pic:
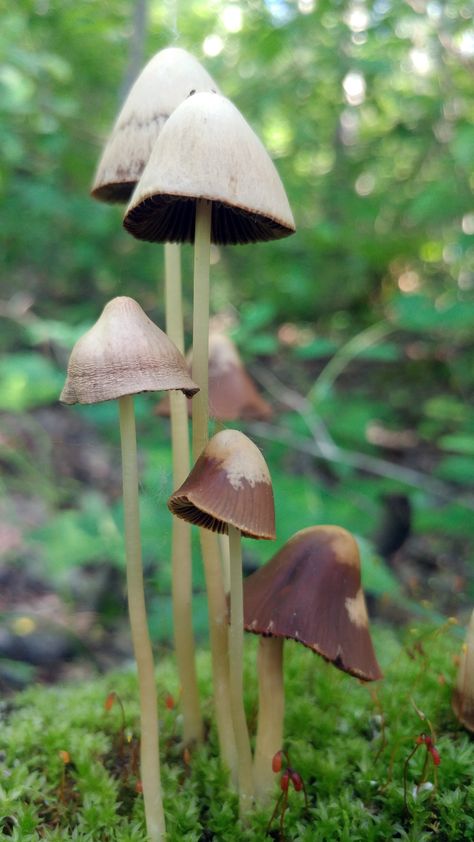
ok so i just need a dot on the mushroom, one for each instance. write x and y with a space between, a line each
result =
164 82
208 177
463 696
233 395
310 592
123 354
229 490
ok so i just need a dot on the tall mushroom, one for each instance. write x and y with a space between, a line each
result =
208 178
229 490
163 84
310 592
123 354
233 396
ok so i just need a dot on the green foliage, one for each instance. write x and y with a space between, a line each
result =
378 174
347 740
28 380
86 534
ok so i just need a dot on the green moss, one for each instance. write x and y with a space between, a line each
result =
348 740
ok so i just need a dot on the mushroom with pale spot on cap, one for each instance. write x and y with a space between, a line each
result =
124 354
208 178
165 81
310 591
229 490
463 696
232 397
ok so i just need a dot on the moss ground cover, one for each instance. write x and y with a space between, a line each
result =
69 770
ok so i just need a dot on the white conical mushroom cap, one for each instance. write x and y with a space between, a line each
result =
207 150
163 84
124 353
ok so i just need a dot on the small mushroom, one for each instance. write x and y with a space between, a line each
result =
463 696
229 490
233 395
310 592
123 354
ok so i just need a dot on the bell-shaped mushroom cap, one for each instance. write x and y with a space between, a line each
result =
310 591
229 484
207 150
163 84
232 394
463 696
124 353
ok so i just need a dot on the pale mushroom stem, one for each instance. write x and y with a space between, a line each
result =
217 609
222 538
149 743
200 373
236 646
225 559
271 710
181 556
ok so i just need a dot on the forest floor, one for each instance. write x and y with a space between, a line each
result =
71 622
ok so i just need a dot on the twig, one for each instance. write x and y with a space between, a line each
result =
331 452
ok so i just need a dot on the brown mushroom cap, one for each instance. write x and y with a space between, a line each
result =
310 591
207 150
463 696
232 393
124 353
229 484
164 82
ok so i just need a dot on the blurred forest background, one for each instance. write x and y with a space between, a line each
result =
358 328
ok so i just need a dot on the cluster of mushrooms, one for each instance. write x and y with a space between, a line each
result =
192 170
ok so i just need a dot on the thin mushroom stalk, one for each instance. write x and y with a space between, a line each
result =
181 555
463 696
236 646
162 85
149 743
213 575
271 711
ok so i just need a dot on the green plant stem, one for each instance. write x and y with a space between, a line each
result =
181 555
271 709
236 646
149 741
217 608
